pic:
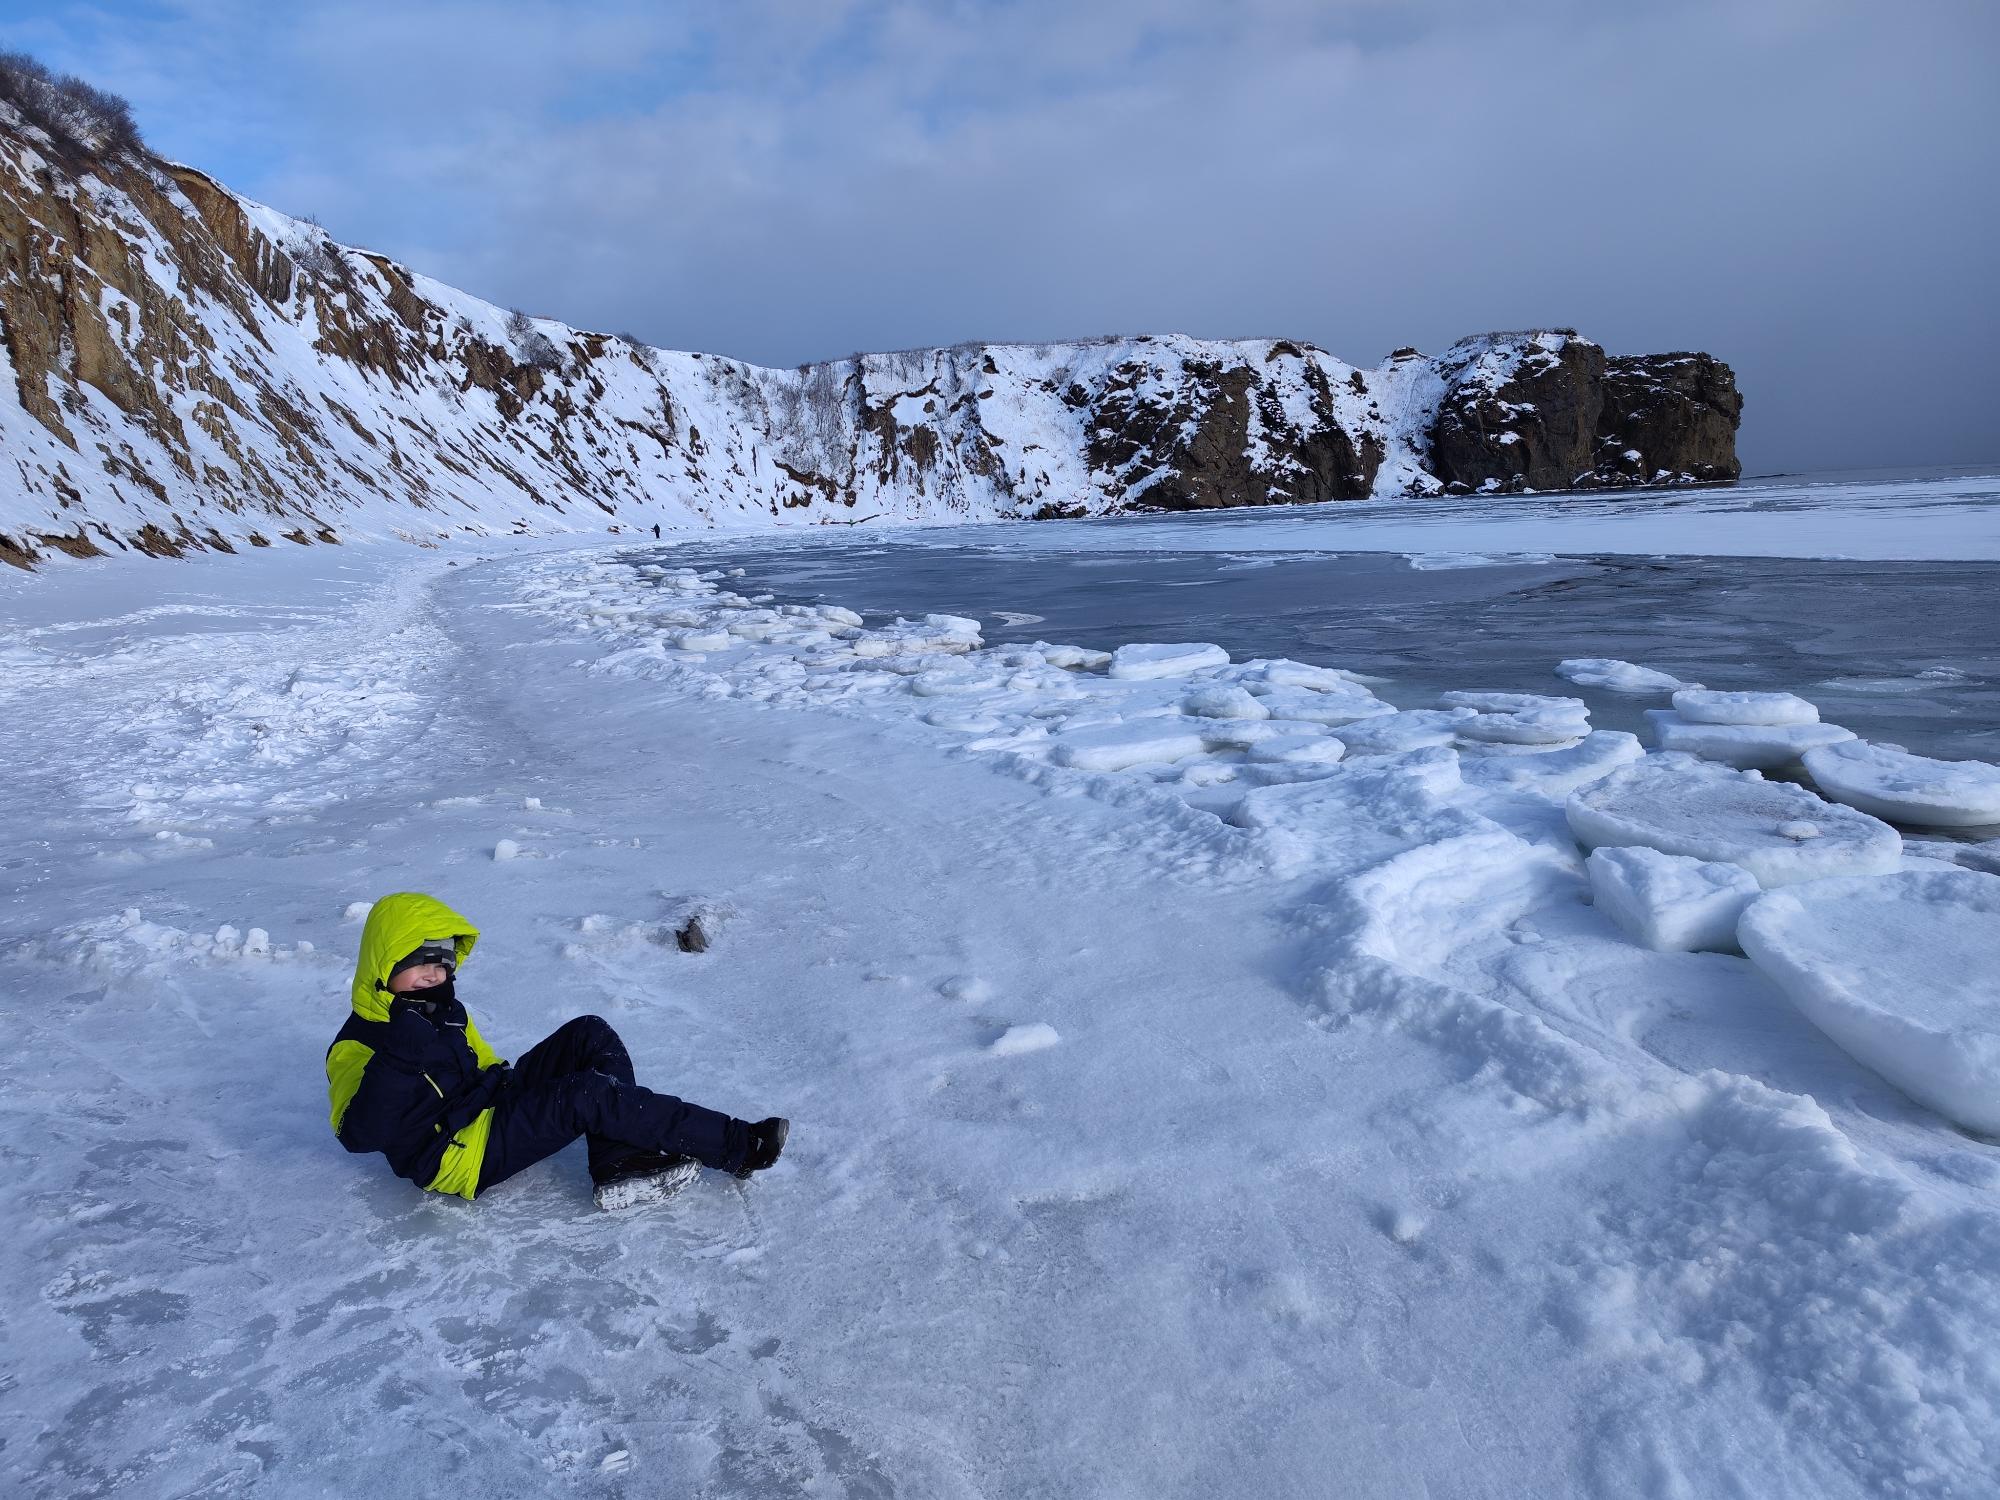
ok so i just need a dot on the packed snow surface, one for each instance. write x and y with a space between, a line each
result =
1268 1105
1778 832
1903 972
1894 784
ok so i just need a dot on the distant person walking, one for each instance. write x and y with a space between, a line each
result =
410 1076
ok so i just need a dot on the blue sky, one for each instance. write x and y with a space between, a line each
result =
1803 187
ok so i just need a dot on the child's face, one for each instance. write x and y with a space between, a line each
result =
421 977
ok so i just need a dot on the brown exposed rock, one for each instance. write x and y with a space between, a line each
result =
1678 412
1547 411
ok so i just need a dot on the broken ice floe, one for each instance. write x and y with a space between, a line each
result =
1710 706
1750 731
1778 832
1140 662
1899 971
1747 747
1670 902
1617 676
1894 784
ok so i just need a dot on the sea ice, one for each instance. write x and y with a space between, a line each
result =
1618 676
1900 972
1074 658
1283 672
1710 813
1710 706
1527 726
1670 902
1513 703
1519 718
703 640
1892 783
1224 700
1551 773
1140 662
1303 748
1334 709
1410 729
1117 747
1747 747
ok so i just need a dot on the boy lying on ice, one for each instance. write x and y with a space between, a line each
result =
410 1076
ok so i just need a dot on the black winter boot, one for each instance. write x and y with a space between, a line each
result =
767 1140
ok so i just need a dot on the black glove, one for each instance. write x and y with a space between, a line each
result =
767 1140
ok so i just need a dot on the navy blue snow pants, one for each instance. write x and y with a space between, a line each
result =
578 1082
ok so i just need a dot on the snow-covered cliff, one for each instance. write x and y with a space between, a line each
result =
186 368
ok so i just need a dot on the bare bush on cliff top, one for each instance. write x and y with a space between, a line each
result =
74 113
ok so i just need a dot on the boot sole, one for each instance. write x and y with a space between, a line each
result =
657 1187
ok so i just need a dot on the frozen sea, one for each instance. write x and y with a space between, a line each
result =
1894 644
1191 1095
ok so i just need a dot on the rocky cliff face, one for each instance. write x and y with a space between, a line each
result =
1546 411
185 368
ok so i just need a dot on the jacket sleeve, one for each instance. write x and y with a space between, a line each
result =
483 1054
395 1099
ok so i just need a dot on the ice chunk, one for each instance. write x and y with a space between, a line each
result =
1224 700
1115 747
1514 703
943 682
1710 813
1139 662
1331 708
1892 783
1527 726
1034 1036
1618 676
1307 749
1748 747
1709 706
1900 972
951 625
1670 902
1411 729
1355 814
506 849
703 640
1075 658
1558 772
1283 672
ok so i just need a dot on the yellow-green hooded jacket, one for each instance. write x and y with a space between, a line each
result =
418 1088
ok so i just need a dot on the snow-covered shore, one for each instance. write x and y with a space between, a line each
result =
1204 1079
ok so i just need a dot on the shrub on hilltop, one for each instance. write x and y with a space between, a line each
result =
536 349
74 113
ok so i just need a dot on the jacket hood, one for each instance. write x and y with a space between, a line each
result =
398 925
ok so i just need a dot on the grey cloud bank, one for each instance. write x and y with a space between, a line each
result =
1802 189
